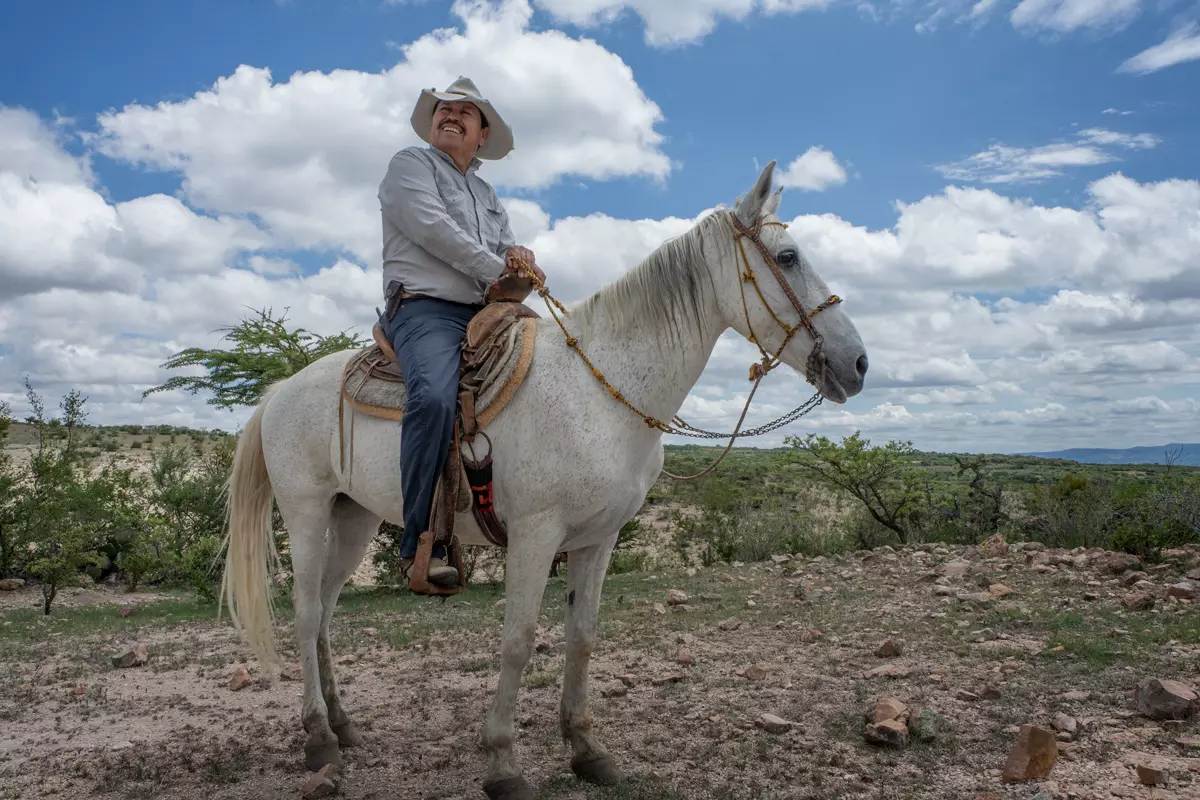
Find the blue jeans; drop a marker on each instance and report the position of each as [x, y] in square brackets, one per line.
[427, 334]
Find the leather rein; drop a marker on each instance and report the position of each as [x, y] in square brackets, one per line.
[758, 370]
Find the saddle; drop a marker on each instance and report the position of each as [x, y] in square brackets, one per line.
[496, 354]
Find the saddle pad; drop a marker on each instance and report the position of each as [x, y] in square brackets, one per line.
[371, 384]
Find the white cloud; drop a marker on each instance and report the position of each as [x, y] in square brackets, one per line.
[1064, 16]
[1181, 46]
[306, 155]
[1004, 164]
[30, 149]
[1116, 111]
[817, 169]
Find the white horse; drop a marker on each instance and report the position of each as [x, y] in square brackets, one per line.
[572, 464]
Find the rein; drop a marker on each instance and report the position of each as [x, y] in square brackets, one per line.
[758, 370]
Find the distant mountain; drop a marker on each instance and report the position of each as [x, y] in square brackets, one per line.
[1188, 455]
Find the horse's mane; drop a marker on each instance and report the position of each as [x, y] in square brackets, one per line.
[665, 291]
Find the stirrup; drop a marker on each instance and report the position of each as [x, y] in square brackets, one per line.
[418, 576]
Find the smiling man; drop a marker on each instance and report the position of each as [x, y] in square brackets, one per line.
[446, 237]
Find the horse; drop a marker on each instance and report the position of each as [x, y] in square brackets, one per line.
[572, 464]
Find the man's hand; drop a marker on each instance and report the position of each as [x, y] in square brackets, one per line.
[524, 254]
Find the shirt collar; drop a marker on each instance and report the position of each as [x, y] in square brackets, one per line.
[474, 165]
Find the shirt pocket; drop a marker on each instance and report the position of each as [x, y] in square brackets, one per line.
[492, 220]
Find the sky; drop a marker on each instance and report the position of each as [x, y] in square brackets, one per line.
[1004, 192]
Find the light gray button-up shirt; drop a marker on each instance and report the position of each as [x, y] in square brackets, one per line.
[444, 233]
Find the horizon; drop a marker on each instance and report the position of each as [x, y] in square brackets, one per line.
[1003, 193]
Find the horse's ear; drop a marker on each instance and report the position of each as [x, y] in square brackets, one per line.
[750, 206]
[773, 203]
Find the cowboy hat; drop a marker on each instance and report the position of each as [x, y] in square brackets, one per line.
[500, 138]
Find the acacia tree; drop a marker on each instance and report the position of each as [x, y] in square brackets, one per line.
[879, 477]
[264, 351]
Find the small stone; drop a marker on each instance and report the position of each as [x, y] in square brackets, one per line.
[1185, 590]
[891, 648]
[1138, 601]
[810, 635]
[755, 672]
[991, 693]
[773, 724]
[731, 624]
[984, 635]
[134, 657]
[925, 724]
[676, 597]
[370, 631]
[943, 591]
[11, 584]
[658, 609]
[1065, 723]
[888, 671]
[670, 677]
[1032, 757]
[614, 690]
[1152, 772]
[1159, 699]
[241, 678]
[683, 656]
[954, 569]
[886, 708]
[892, 732]
[999, 590]
[321, 784]
[995, 545]
[966, 696]
[291, 672]
[751, 604]
[1090, 596]
[1077, 696]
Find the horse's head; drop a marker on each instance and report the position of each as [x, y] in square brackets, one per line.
[777, 300]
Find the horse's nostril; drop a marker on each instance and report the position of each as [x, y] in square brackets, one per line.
[861, 365]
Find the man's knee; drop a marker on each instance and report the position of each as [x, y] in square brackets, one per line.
[432, 404]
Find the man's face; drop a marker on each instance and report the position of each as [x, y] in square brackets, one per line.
[457, 128]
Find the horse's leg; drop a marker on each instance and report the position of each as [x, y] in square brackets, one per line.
[585, 579]
[307, 520]
[530, 552]
[353, 529]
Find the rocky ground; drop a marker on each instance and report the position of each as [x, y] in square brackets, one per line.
[994, 672]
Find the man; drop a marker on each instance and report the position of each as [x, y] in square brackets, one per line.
[446, 237]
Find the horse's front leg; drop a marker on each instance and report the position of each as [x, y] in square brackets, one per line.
[585, 578]
[530, 552]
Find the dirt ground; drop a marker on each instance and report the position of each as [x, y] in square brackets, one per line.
[988, 641]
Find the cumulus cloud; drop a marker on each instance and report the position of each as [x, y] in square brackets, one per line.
[1181, 46]
[1005, 164]
[305, 155]
[817, 169]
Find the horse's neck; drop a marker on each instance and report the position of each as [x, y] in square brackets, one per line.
[655, 362]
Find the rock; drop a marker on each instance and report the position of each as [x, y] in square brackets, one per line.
[658, 610]
[1152, 771]
[1077, 696]
[810, 635]
[1138, 601]
[755, 672]
[1064, 723]
[1032, 757]
[925, 724]
[321, 784]
[800, 592]
[991, 693]
[954, 569]
[1091, 597]
[1159, 699]
[1079, 562]
[1185, 590]
[888, 671]
[1118, 563]
[731, 624]
[943, 591]
[892, 733]
[983, 635]
[614, 690]
[886, 708]
[676, 597]
[241, 678]
[683, 656]
[11, 584]
[773, 724]
[965, 696]
[995, 545]
[291, 672]
[891, 648]
[751, 604]
[999, 590]
[134, 657]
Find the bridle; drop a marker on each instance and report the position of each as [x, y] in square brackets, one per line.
[758, 370]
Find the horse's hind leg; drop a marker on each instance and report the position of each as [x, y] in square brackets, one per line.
[353, 529]
[307, 521]
[585, 578]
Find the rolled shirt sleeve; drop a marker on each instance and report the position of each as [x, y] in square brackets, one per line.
[410, 200]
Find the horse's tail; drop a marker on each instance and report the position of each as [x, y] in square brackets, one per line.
[250, 553]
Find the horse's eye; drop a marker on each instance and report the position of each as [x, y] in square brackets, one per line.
[787, 258]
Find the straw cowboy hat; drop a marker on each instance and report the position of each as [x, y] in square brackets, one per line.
[500, 138]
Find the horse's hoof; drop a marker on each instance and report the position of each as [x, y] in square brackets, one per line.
[348, 735]
[509, 789]
[600, 770]
[319, 754]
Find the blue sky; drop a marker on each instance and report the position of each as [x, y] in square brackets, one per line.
[992, 131]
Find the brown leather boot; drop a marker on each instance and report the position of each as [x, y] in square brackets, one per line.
[440, 573]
